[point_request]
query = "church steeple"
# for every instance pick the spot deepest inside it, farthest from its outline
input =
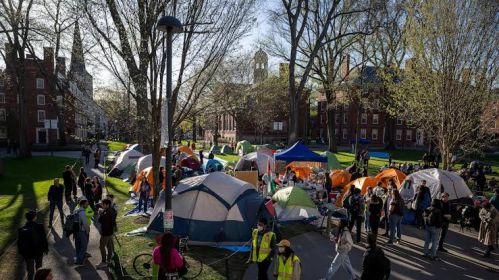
(77, 58)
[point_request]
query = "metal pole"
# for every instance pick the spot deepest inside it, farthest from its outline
(168, 216)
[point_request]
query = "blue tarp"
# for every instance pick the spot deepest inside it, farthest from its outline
(299, 152)
(379, 154)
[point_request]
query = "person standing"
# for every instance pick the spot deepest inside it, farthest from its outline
(375, 265)
(379, 190)
(54, 197)
(96, 158)
(494, 200)
(423, 200)
(84, 215)
(395, 214)
(86, 154)
(487, 234)
(96, 189)
(89, 192)
(367, 200)
(201, 156)
(446, 215)
(344, 244)
(433, 225)
(386, 197)
(166, 259)
(144, 191)
(107, 220)
(81, 179)
(32, 243)
(262, 248)
(69, 184)
(287, 265)
(375, 205)
(356, 210)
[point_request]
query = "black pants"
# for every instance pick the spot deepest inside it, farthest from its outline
(32, 264)
(263, 267)
(374, 223)
(96, 163)
(357, 221)
(443, 233)
(57, 204)
(419, 217)
(87, 159)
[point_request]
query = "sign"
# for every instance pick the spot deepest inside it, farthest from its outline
(168, 220)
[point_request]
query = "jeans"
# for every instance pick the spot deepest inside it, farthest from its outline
(374, 222)
(32, 264)
(357, 221)
(57, 204)
(395, 221)
(367, 222)
(443, 233)
(341, 259)
(263, 267)
(106, 242)
(432, 235)
(143, 199)
(81, 244)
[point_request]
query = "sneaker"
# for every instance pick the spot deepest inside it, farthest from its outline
(102, 265)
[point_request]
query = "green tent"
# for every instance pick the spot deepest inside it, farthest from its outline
(332, 161)
(243, 147)
(226, 149)
(293, 203)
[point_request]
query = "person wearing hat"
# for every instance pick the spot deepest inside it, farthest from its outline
(85, 214)
(262, 248)
(32, 243)
(287, 265)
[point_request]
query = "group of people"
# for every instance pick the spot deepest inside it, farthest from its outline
(86, 151)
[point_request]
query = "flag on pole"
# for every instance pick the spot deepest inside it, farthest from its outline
(270, 207)
(271, 182)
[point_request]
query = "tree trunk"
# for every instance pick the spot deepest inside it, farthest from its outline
(143, 117)
(194, 130)
(156, 147)
(330, 122)
(389, 136)
(293, 120)
(215, 135)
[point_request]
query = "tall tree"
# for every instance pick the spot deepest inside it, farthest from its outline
(450, 78)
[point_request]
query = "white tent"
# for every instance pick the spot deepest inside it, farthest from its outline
(294, 204)
(435, 178)
(146, 161)
(259, 158)
(127, 159)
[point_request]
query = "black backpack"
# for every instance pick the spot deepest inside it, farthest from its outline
(433, 217)
(28, 240)
(72, 224)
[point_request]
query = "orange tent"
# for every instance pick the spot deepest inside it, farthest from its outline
(395, 174)
(187, 150)
(361, 183)
(302, 172)
(149, 177)
(340, 177)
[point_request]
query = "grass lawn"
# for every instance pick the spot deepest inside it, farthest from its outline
(228, 157)
(115, 146)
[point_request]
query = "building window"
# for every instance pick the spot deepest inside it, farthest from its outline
(3, 115)
(376, 104)
(2, 83)
(408, 135)
(374, 134)
(363, 133)
(345, 118)
(363, 118)
(40, 83)
(375, 118)
(336, 132)
(345, 133)
(3, 132)
(40, 100)
(2, 97)
(336, 118)
(277, 125)
(398, 134)
(41, 115)
(399, 121)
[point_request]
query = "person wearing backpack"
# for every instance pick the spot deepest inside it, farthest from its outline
(356, 210)
(395, 214)
(433, 220)
(287, 265)
(54, 197)
(144, 191)
(89, 192)
(344, 244)
(375, 266)
(83, 216)
(32, 243)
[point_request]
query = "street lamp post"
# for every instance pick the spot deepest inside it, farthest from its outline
(169, 25)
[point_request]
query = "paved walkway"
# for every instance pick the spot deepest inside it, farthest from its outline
(463, 261)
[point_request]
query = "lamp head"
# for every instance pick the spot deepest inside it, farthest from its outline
(169, 23)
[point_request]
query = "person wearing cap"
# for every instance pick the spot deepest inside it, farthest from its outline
(85, 214)
(287, 265)
(262, 248)
(32, 243)
(487, 234)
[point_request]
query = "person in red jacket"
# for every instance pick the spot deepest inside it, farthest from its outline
(167, 259)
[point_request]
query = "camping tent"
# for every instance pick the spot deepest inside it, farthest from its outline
(265, 150)
(191, 163)
(226, 149)
(132, 147)
(340, 177)
(212, 209)
(302, 172)
(146, 161)
(452, 183)
(149, 177)
(215, 149)
(248, 161)
(243, 147)
(299, 152)
(293, 204)
(125, 162)
(212, 165)
(185, 150)
(386, 175)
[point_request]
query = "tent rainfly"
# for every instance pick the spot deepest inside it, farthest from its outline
(299, 152)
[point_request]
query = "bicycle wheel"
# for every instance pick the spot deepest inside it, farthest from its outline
(194, 268)
(142, 264)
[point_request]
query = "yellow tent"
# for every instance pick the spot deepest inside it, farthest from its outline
(395, 174)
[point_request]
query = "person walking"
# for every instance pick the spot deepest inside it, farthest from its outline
(367, 200)
(88, 192)
(32, 243)
(395, 214)
(44, 274)
(422, 201)
(54, 198)
(81, 179)
(356, 210)
(287, 265)
(433, 225)
(262, 248)
(375, 206)
(96, 158)
(166, 259)
(69, 184)
(446, 215)
(375, 265)
(344, 244)
(86, 154)
(84, 214)
(487, 235)
(107, 221)
(144, 191)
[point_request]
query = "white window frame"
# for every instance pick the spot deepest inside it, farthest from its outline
(277, 126)
(2, 98)
(399, 121)
(375, 118)
(46, 135)
(345, 118)
(374, 132)
(363, 118)
(336, 132)
(408, 135)
(376, 104)
(3, 115)
(40, 83)
(3, 135)
(398, 134)
(38, 116)
(344, 134)
(363, 133)
(38, 100)
(2, 83)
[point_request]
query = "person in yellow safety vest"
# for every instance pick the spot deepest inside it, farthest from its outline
(262, 248)
(287, 266)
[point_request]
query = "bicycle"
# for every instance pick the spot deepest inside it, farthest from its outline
(142, 264)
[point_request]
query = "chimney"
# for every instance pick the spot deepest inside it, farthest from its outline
(345, 66)
(60, 66)
(283, 70)
(48, 58)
